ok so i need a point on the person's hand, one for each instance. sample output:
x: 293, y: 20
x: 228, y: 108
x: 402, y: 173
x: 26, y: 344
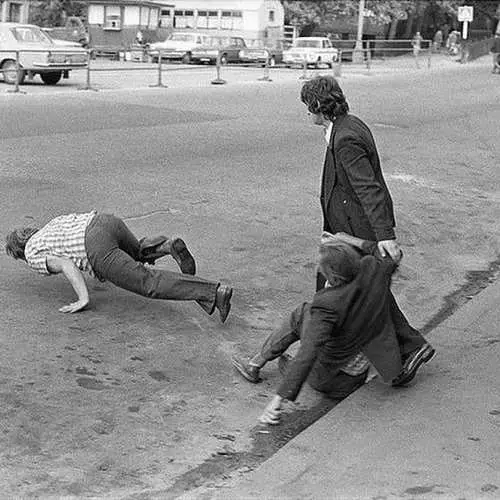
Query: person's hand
x: 74, y: 307
x: 271, y: 414
x: 391, y: 248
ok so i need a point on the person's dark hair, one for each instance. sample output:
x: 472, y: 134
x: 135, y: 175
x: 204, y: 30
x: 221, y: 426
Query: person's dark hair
x: 15, y: 241
x: 323, y: 94
x: 338, y: 262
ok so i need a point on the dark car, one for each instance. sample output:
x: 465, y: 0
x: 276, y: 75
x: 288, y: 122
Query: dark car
x: 228, y: 47
x: 258, y: 51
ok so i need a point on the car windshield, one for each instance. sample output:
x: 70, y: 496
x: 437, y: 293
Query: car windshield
x: 181, y: 37
x: 30, y: 34
x: 307, y: 43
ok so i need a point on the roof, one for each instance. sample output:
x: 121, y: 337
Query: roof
x: 145, y: 3
x: 220, y: 4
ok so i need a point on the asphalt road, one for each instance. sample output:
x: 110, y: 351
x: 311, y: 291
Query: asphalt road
x: 136, y: 398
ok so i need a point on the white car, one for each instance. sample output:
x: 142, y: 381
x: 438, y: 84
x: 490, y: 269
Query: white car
x: 178, y: 45
x: 38, y: 54
x: 313, y: 50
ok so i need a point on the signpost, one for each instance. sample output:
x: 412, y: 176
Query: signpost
x: 465, y: 15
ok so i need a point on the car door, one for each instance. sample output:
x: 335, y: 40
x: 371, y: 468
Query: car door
x: 235, y: 45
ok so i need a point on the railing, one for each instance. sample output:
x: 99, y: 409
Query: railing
x: 373, y: 50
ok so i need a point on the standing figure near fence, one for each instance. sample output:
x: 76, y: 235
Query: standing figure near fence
x: 103, y: 246
x: 416, y: 43
x: 438, y: 40
x: 495, y: 52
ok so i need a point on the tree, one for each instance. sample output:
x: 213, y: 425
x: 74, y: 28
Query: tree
x: 54, y: 12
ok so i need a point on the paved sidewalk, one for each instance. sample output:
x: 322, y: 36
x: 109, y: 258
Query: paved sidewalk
x: 438, y: 438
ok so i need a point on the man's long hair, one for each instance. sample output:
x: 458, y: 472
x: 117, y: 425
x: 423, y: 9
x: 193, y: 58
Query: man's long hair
x: 323, y: 95
x: 15, y: 241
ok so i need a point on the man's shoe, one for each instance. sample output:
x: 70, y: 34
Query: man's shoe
x: 182, y: 256
x: 413, y: 362
x: 284, y: 362
x: 223, y: 301
x: 246, y: 370
x: 149, y: 249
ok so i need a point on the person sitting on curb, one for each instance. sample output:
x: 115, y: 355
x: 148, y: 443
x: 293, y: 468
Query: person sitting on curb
x: 350, y: 316
x: 103, y: 246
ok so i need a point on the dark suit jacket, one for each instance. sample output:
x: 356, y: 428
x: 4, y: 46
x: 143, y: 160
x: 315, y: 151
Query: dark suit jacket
x: 354, y: 195
x: 343, y: 321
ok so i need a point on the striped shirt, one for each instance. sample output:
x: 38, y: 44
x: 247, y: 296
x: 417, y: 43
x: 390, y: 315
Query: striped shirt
x: 64, y: 237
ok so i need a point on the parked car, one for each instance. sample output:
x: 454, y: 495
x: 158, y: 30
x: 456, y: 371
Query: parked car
x: 229, y: 48
x: 38, y: 54
x: 74, y: 30
x: 313, y: 50
x: 178, y: 46
x: 258, y: 51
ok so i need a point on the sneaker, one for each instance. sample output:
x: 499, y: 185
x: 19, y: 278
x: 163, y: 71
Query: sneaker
x: 246, y: 370
x: 412, y: 363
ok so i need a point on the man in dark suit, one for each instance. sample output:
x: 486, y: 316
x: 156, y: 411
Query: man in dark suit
x: 355, y: 199
x: 346, y: 321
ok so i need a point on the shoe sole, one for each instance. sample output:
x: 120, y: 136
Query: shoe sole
x: 240, y: 368
x: 425, y: 358
x: 183, y: 257
x: 224, y: 312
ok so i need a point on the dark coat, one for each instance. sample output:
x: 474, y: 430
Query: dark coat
x: 344, y: 320
x: 354, y: 195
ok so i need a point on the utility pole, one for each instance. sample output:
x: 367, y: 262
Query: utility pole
x: 358, y: 56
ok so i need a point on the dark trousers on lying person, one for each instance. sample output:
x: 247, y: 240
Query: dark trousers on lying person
x: 114, y: 254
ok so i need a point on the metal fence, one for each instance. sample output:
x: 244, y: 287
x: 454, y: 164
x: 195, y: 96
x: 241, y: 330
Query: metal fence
x: 374, y: 51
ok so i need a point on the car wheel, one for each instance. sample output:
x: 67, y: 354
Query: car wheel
x: 272, y: 61
x: 186, y: 59
x: 223, y: 59
x: 9, y: 73
x: 318, y: 63
x: 51, y: 78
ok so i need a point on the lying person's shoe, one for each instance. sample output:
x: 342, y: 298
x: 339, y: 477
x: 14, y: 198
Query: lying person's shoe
x: 183, y: 256
x: 246, y: 370
x: 284, y: 362
x: 151, y: 249
x: 412, y: 363
x: 223, y: 301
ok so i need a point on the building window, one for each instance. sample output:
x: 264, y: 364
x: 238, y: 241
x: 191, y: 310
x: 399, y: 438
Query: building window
x: 184, y: 19
x: 112, y: 17
x: 15, y: 12
x: 271, y: 16
x: 231, y: 20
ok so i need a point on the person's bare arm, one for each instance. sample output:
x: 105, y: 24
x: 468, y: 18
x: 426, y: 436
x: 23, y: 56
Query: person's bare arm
x: 58, y: 265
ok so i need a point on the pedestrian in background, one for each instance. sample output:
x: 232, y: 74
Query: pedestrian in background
x: 495, y: 52
x: 354, y: 196
x: 416, y: 43
x: 103, y: 246
x: 438, y: 40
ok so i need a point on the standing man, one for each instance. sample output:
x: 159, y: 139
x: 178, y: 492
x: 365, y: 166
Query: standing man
x: 495, y: 51
x: 354, y: 196
x: 417, y: 46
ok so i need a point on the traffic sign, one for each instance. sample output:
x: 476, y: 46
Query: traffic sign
x: 466, y: 13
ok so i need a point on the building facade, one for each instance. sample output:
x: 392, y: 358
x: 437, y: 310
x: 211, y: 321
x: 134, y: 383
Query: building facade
x: 250, y: 19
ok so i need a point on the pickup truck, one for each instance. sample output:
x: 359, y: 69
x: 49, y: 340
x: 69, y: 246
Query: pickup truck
x: 312, y: 50
x: 73, y: 31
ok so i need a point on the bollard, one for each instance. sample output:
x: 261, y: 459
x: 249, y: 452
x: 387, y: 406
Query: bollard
x: 368, y: 59
x: 304, y: 72
x: 18, y: 73
x: 429, y: 56
x: 160, y: 82
x: 337, y: 68
x: 88, y: 86
x: 266, y: 77
x: 218, y: 80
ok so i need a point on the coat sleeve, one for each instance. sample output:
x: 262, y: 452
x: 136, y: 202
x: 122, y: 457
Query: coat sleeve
x: 317, y: 330
x: 371, y: 194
